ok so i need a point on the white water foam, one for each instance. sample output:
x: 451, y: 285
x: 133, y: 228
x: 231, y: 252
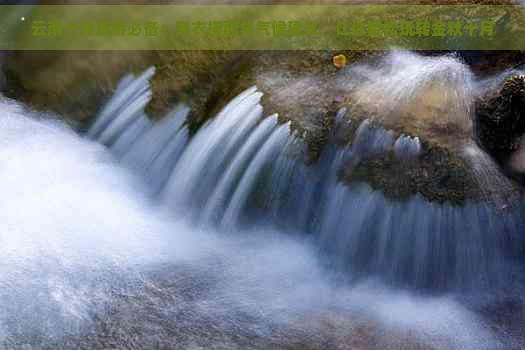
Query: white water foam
x: 79, y: 233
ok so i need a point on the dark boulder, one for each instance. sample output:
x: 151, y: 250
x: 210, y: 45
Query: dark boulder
x: 500, y: 119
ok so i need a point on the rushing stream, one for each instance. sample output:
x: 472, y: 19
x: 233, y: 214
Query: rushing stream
x: 140, y: 235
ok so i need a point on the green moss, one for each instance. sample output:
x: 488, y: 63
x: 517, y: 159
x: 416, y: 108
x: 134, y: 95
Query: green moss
x: 236, y: 77
x: 437, y: 175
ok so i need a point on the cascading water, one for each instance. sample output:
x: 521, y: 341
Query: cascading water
x: 227, y: 239
x: 443, y: 86
x: 239, y: 170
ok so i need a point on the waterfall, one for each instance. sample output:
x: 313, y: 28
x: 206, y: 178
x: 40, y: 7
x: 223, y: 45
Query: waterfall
x: 406, y: 147
x: 492, y: 182
x: 243, y: 168
x: 100, y: 249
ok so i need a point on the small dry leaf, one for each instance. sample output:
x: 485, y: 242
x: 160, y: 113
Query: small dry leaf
x: 339, y: 61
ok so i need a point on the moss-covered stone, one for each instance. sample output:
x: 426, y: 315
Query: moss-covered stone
x: 501, y: 118
x: 298, y: 85
x: 437, y: 174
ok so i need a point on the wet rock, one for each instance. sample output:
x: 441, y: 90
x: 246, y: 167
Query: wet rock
x: 501, y: 119
x: 437, y: 174
x: 2, y: 81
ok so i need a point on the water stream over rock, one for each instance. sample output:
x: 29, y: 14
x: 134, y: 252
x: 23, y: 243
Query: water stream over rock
x: 227, y: 239
x: 242, y: 169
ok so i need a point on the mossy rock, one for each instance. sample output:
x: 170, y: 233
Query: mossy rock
x: 501, y: 118
x: 75, y: 84
x: 436, y: 174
